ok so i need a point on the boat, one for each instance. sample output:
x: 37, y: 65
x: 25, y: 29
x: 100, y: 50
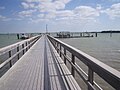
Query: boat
x: 24, y: 36
x: 63, y: 34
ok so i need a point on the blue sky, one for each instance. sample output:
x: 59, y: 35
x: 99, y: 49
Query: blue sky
x: 60, y: 15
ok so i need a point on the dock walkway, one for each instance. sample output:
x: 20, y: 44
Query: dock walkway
x: 41, y: 68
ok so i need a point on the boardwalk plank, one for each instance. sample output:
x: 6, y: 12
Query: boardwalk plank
x: 67, y: 77
x: 28, y: 72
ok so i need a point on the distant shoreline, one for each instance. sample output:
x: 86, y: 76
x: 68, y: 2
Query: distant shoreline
x: 110, y: 31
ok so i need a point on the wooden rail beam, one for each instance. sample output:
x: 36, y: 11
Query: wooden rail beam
x: 25, y: 46
x: 110, y: 75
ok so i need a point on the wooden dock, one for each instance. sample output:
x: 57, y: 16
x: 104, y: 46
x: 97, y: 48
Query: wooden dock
x: 41, y: 64
x: 41, y: 68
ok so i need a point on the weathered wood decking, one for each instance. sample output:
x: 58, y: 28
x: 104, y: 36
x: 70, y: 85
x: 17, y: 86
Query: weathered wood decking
x: 40, y: 68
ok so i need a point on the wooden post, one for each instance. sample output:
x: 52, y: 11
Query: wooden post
x: 90, y: 78
x: 110, y: 33
x: 9, y: 57
x: 65, y: 55
x: 60, y: 50
x: 26, y: 46
x: 80, y: 34
x: 96, y: 34
x: 54, y: 43
x: 18, y: 51
x: 57, y: 47
x: 29, y: 44
x: 72, y: 68
x: 23, y: 48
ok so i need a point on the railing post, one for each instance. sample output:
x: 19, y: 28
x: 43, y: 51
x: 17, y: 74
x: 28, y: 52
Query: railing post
x: 23, y: 48
x: 60, y: 50
x: 72, y: 68
x: 54, y: 43
x: 65, y: 55
x: 29, y: 44
x: 26, y: 46
x: 18, y: 51
x: 9, y: 57
x: 90, y: 78
x: 57, y: 47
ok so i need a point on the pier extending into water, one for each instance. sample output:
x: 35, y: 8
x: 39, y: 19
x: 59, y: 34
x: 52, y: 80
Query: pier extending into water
x: 43, y: 67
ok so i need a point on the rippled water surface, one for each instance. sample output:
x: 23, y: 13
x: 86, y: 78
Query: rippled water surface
x: 103, y: 48
x: 7, y: 39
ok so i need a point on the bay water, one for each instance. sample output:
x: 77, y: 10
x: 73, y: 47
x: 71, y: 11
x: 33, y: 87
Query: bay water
x: 8, y: 39
x: 105, y: 48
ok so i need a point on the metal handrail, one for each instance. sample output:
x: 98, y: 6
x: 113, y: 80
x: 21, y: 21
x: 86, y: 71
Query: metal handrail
x: 110, y: 75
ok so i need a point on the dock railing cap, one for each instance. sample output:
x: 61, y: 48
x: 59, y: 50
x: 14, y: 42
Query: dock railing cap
x: 88, y: 60
x: 6, y: 48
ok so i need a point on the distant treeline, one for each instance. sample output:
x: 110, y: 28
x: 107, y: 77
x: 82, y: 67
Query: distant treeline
x: 110, y: 31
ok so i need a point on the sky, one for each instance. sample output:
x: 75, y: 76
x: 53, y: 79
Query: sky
x: 18, y: 16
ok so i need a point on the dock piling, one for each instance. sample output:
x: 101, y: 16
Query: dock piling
x: 96, y: 34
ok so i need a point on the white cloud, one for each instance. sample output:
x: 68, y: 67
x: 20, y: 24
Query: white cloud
x: 99, y: 7
x: 1, y: 8
x: 38, y: 0
x: 113, y: 0
x: 40, y: 15
x: 55, y: 10
x: 50, y: 6
x: 65, y: 13
x: 25, y: 5
x: 3, y: 18
x: 64, y: 1
x: 59, y: 5
x: 28, y: 5
x: 50, y: 15
x: 26, y: 13
x: 86, y: 12
x: 45, y: 5
x: 113, y: 11
x: 38, y: 20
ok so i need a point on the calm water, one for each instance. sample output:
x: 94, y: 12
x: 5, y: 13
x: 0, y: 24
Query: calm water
x: 103, y: 48
x: 7, y: 39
